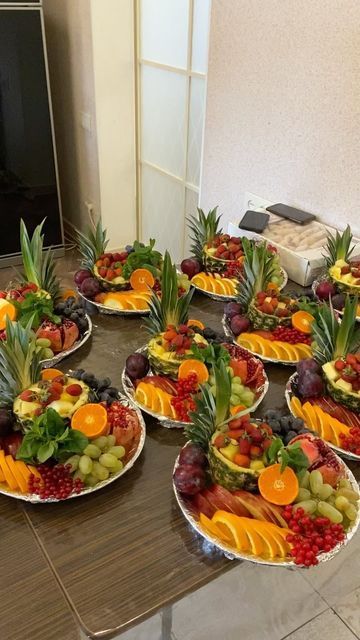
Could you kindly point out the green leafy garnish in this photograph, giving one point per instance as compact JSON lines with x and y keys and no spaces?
{"x":212,"y":354}
{"x":143,"y":257}
{"x":290,"y":456}
{"x":35,"y":308}
{"x":50,"y":437}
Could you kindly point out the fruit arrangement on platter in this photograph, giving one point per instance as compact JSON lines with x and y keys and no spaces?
{"x":59,"y":326}
{"x":273,"y":325}
{"x":120,"y":282}
{"x":256,"y":498}
{"x":164,"y":377}
{"x":325,"y":391}
{"x":342,"y":277}
{"x":61,"y":435}
{"x":218,"y":258}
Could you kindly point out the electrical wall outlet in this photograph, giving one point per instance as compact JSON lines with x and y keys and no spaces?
{"x":255,"y":203}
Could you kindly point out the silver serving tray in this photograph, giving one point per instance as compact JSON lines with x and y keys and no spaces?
{"x":169,"y":423}
{"x":35,"y":499}
{"x":51,"y":362}
{"x":341,"y":452}
{"x":232,"y":554}
{"x":229,"y":334}
{"x":102,"y":308}
{"x":223,"y":298}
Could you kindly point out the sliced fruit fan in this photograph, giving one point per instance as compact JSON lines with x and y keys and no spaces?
{"x":164,"y":377}
{"x":59,"y":325}
{"x":120,"y":282}
{"x":218,"y":258}
{"x":253,"y":496}
{"x":270,"y":324}
{"x":61,"y":435}
{"x":325,"y":391}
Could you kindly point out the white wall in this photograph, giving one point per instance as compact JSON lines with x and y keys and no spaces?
{"x":283,"y":106}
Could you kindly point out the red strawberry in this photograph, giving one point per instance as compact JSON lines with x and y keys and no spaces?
{"x":102,"y":272}
{"x":27,"y":395}
{"x":244,"y":446}
{"x":345,"y":270}
{"x":3,"y":294}
{"x":255,"y":451}
{"x":56,"y":387}
{"x":74,"y":389}
{"x":183,"y":329}
{"x":220,"y":441}
{"x":177,"y":341}
{"x":266,"y":443}
{"x":110,"y":274}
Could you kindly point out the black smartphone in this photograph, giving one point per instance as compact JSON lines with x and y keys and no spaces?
{"x":254,"y":221}
{"x":296,"y":215}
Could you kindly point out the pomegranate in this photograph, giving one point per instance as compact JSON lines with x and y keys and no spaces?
{"x":321,"y":457}
{"x":61,"y":336}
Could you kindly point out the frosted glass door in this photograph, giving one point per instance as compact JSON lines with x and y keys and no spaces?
{"x":172,"y":64}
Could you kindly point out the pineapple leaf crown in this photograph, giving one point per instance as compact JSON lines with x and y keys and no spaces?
{"x":19,"y":361}
{"x":334,"y":339}
{"x":39,"y":265}
{"x":91,"y":244}
{"x":258,"y":268}
{"x":203,"y":229}
{"x":338,"y":247}
{"x":211,"y":412}
{"x":169,"y":309}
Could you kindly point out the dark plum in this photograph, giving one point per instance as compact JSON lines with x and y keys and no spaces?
{"x":338,"y":301}
{"x":137,"y":366}
{"x":189,"y":479}
{"x":6,"y":422}
{"x":90,"y":287}
{"x":239,"y":324}
{"x":190,"y":266}
{"x":81,"y":275}
{"x":232,"y":309}
{"x":307,"y":365}
{"x":325,"y":289}
{"x":192,"y":454}
{"x":310,"y":385}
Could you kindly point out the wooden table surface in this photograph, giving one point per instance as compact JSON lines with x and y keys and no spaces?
{"x":123,"y":553}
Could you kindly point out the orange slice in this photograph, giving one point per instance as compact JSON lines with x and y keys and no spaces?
{"x":271,"y":547}
{"x":245,"y":343}
{"x":281,"y":353}
{"x":7,"y":473}
{"x":142,"y":279}
{"x":68,"y":293}
{"x":303,"y":351}
{"x":141,"y":302}
{"x":143,"y":394}
{"x":165,"y":403}
{"x":270,"y":350}
{"x":190,"y":366}
{"x":50,"y":374}
{"x":278,"y":487}
{"x":195,"y":323}
{"x":116,"y":300}
{"x":310,"y":417}
{"x":252,"y":340}
{"x":7,"y":310}
{"x":155,"y":401}
{"x":212,"y":528}
{"x":337,"y":427}
{"x":91,"y":419}
{"x":325,"y":429}
{"x":231,"y":526}
{"x":200,"y":280}
{"x":302,"y":321}
{"x":212,"y":284}
{"x":22,"y":484}
{"x":223,"y":288}
{"x":232,"y":286}
{"x":290,"y":351}
{"x":296,"y":407}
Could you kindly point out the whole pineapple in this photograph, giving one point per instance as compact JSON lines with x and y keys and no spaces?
{"x":258,"y":271}
{"x":208,"y":421}
{"x":203,"y":230}
{"x":39,"y":265}
{"x":343,"y":273}
{"x":167,"y":314}
{"x":92,"y":245}
{"x":335,"y":346}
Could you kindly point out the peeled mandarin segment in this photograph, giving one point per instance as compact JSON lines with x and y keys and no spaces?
{"x":303,"y":351}
{"x":310,"y":416}
{"x":212,"y":528}
{"x":296,"y":407}
{"x":190,"y":366}
{"x":91,"y":419}
{"x":7,"y":473}
{"x":278,"y":487}
{"x":142,"y":279}
{"x":22,"y":484}
{"x":7,"y":310}
{"x":323,"y":423}
{"x":302,"y":321}
{"x":50,"y":374}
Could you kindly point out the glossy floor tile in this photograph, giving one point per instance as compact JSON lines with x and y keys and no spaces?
{"x":348,"y":608}
{"x":326,"y":625}
{"x":246,"y":601}
{"x":148,"y":630}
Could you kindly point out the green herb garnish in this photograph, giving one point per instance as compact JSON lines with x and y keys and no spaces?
{"x":143,"y":257}
{"x":290,"y":456}
{"x":36,"y":307}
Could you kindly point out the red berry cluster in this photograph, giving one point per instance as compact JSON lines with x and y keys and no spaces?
{"x":233,"y":269}
{"x":56,"y":482}
{"x":311,"y":535}
{"x":117,"y":414}
{"x":178,"y":339}
{"x":349,"y":370}
{"x":351,"y":442}
{"x":183,"y":401}
{"x":110,"y":264}
{"x":291,"y":335}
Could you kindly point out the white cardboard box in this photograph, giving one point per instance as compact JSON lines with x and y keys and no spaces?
{"x":301,"y":266}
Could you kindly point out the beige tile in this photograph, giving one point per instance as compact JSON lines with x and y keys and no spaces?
{"x":340,"y":576}
{"x":246,"y":601}
{"x":148,"y":630}
{"x":326,"y":625}
{"x":348,"y":608}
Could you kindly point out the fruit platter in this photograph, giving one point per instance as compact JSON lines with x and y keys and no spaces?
{"x":164,"y":377}
{"x":61,"y":435}
{"x":218,"y":258}
{"x":120,"y":283}
{"x":342,"y":276}
{"x":60,"y":326}
{"x":273,"y":325}
{"x":325,"y":390}
{"x":256,"y":498}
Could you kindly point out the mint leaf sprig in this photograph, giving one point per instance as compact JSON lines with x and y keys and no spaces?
{"x":290,"y":456}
